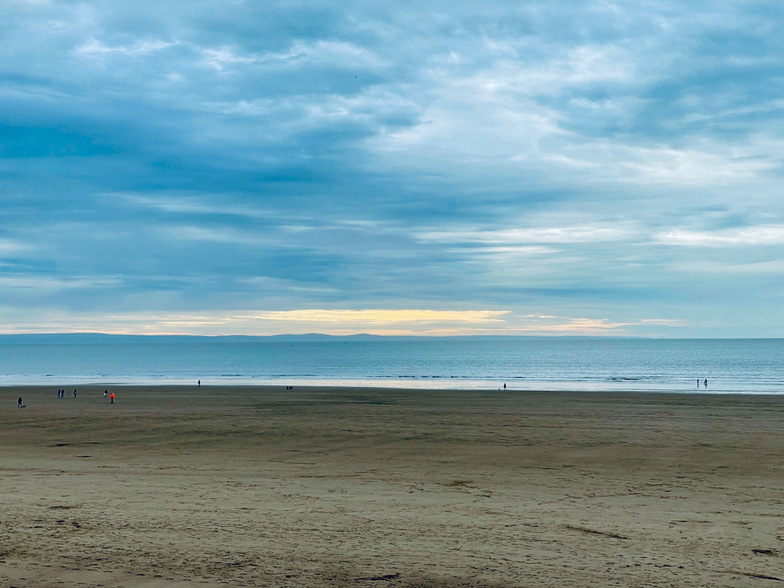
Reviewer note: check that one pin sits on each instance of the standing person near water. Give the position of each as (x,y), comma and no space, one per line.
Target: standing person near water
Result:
(111,396)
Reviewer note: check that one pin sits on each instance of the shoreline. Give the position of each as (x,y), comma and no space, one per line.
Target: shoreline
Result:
(535,388)
(163,388)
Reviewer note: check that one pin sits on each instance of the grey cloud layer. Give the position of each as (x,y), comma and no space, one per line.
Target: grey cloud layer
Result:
(547,158)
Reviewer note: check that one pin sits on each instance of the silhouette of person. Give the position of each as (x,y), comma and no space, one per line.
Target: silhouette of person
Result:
(19,403)
(706,382)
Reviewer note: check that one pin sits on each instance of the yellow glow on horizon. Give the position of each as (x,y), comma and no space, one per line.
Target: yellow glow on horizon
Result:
(338,322)
(383,316)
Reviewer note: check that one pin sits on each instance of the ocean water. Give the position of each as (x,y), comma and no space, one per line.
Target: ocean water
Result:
(522,363)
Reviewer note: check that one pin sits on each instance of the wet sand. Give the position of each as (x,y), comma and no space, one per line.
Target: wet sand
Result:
(179,486)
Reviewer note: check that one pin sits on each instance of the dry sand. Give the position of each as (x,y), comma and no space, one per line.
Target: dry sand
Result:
(174,486)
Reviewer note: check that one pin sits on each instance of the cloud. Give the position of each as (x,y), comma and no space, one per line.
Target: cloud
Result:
(383,316)
(739,236)
(413,322)
(96,48)
(341,321)
(690,167)
(44,285)
(512,236)
(556,159)
(725,269)
(11,247)
(300,53)
(562,325)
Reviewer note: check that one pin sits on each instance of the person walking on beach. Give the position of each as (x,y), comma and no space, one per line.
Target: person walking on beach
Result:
(112,398)
(74,392)
(106,392)
(20,403)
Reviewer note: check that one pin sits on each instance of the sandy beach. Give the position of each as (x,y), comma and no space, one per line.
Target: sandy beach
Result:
(183,486)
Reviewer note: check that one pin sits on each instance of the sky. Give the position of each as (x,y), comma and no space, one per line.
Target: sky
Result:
(428,168)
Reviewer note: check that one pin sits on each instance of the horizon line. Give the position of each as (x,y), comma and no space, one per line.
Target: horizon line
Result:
(55,334)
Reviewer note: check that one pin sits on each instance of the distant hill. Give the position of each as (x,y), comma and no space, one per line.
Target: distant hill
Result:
(107,339)
(98,338)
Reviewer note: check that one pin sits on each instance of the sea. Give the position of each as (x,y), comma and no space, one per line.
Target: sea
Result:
(746,366)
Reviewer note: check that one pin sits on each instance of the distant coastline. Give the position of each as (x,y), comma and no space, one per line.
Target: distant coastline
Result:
(97,338)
